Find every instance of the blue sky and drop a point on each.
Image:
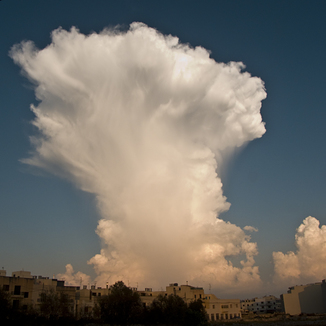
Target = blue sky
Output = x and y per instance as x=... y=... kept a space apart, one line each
x=273 y=183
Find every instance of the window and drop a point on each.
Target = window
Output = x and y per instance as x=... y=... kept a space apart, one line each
x=212 y=317
x=224 y=306
x=5 y=287
x=213 y=306
x=99 y=294
x=199 y=296
x=217 y=317
x=25 y=294
x=17 y=290
x=226 y=316
x=230 y=305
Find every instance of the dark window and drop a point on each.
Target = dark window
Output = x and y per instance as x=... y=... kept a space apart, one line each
x=25 y=294
x=217 y=317
x=99 y=294
x=212 y=317
x=17 y=290
x=5 y=287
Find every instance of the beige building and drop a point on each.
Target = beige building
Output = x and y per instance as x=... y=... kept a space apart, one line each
x=217 y=309
x=221 y=309
x=307 y=299
x=25 y=291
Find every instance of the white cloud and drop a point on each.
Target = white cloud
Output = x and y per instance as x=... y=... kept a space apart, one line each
x=250 y=228
x=72 y=278
x=308 y=263
x=143 y=122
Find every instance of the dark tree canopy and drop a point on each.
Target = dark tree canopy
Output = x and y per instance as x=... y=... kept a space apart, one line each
x=122 y=306
x=5 y=307
x=54 y=305
x=196 y=314
x=172 y=310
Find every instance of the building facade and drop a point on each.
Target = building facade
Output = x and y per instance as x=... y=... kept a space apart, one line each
x=264 y=305
x=26 y=291
x=305 y=299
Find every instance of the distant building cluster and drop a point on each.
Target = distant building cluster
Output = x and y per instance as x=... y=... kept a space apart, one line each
x=265 y=305
x=26 y=290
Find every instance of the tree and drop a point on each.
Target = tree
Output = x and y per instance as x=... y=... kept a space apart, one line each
x=169 y=310
x=173 y=310
x=55 y=306
x=196 y=314
x=122 y=306
x=5 y=308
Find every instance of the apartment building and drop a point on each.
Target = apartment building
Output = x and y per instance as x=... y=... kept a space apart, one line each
x=266 y=304
x=306 y=299
x=217 y=309
x=222 y=309
x=25 y=291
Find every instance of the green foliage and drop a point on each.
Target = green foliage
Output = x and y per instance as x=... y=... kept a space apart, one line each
x=122 y=306
x=55 y=305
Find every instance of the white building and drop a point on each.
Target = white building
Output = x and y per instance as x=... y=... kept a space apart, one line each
x=266 y=304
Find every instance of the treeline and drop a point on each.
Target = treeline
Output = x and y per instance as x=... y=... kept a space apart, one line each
x=121 y=307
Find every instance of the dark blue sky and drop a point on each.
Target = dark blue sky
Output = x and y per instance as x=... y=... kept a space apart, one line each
x=272 y=184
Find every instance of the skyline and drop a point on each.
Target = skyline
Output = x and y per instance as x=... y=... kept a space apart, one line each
x=273 y=184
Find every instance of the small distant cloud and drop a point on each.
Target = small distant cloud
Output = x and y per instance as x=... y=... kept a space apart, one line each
x=250 y=228
x=72 y=278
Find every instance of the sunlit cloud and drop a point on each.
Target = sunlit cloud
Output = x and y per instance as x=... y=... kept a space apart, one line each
x=144 y=123
x=308 y=263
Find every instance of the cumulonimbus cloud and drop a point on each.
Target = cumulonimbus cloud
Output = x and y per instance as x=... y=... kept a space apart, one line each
x=143 y=122
x=308 y=263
